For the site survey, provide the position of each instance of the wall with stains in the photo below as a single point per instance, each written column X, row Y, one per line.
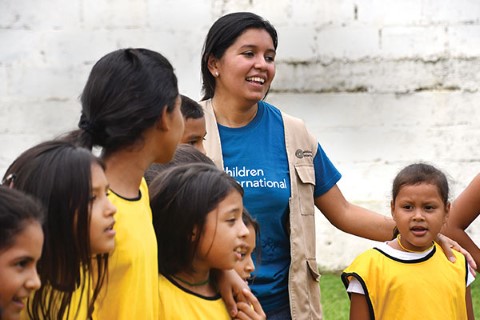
column 381, row 83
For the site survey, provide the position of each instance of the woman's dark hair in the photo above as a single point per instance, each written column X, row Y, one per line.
column 185, row 153
column 58, row 174
column 181, row 198
column 17, row 211
column 417, row 173
column 222, row 35
column 125, row 94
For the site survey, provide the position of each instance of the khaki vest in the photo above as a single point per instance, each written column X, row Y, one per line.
column 301, row 146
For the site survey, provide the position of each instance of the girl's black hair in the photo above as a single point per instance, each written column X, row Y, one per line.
column 58, row 174
column 181, row 198
column 248, row 220
column 126, row 93
column 222, row 35
column 185, row 153
column 17, row 211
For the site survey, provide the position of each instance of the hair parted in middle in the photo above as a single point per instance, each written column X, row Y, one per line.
column 181, row 198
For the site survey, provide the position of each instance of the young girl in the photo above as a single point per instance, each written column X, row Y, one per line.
column 409, row 277
column 197, row 217
column 71, row 184
column 131, row 110
column 246, row 266
column 21, row 240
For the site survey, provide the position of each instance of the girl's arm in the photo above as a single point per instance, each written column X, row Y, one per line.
column 359, row 307
column 468, row 300
column 367, row 224
column 465, row 209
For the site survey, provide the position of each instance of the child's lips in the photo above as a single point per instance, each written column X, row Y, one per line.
column 419, row 231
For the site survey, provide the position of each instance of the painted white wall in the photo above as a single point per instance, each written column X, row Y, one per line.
column 381, row 83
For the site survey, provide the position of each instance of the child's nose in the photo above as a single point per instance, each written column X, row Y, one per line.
column 250, row 266
column 33, row 282
column 244, row 232
column 110, row 208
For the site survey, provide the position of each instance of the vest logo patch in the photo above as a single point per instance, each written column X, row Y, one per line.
column 303, row 153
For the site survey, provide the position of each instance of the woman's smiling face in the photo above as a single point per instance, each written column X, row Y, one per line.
column 247, row 67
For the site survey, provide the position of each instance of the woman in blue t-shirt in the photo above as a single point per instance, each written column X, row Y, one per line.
column 246, row 137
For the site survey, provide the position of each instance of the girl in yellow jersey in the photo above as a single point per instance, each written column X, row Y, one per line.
column 409, row 277
column 197, row 217
column 71, row 184
column 131, row 111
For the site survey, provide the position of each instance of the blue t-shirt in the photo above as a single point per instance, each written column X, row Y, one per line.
column 255, row 155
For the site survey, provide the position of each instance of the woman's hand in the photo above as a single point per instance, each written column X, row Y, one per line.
column 447, row 244
column 251, row 310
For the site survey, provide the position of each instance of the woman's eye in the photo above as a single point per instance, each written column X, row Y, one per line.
column 92, row 198
column 270, row 58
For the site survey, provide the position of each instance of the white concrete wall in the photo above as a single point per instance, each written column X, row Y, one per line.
column 381, row 83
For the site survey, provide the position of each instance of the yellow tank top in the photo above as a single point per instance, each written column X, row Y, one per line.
column 427, row 288
column 132, row 288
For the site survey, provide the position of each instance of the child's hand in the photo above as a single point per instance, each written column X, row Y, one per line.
column 231, row 288
column 447, row 244
column 251, row 309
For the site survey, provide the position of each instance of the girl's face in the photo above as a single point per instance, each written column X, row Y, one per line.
column 420, row 213
column 102, row 234
column 247, row 67
column 245, row 265
column 18, row 270
column 223, row 235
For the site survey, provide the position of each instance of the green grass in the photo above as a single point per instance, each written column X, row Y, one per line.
column 336, row 305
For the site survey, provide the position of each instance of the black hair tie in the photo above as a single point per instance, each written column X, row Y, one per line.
column 86, row 125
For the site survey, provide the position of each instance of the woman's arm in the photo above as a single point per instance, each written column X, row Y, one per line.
column 359, row 307
column 353, row 219
column 465, row 209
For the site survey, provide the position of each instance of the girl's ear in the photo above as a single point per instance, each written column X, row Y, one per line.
column 162, row 121
column 194, row 233
column 392, row 210
column 447, row 211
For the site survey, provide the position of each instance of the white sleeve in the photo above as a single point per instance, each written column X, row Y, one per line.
column 354, row 286
column 470, row 277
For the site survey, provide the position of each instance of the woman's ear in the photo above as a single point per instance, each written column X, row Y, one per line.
column 212, row 64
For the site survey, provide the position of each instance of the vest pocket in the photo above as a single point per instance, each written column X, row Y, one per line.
column 313, row 269
column 306, row 173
